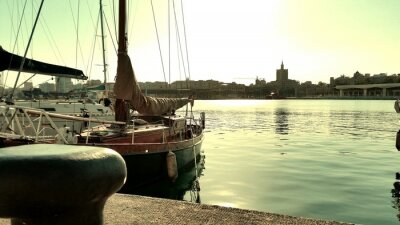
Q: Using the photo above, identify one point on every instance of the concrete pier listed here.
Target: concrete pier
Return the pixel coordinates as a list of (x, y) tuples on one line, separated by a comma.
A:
[(133, 209)]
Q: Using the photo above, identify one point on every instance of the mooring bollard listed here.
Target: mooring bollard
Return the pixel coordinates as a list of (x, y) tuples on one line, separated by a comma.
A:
[(58, 184)]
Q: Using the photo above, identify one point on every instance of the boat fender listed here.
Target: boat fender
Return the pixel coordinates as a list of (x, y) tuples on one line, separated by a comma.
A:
[(203, 119), (398, 140), (172, 166)]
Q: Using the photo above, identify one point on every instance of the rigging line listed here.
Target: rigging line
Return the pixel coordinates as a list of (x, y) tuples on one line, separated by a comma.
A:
[(76, 23), (91, 58), (77, 37), (112, 39), (26, 28), (135, 6), (179, 43), (179, 65), (11, 14), (115, 21), (26, 50), (127, 19), (16, 40), (72, 12), (158, 40), (95, 25), (33, 18), (90, 13), (179, 55), (26, 80), (169, 43), (184, 35), (102, 43), (52, 41)]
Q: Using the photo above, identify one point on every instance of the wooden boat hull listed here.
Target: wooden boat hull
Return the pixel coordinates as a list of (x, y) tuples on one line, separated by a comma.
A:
[(144, 147), (147, 162)]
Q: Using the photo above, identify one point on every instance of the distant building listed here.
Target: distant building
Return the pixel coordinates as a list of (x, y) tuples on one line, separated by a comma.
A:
[(260, 81), (28, 86), (332, 81), (282, 74), (47, 87), (63, 84)]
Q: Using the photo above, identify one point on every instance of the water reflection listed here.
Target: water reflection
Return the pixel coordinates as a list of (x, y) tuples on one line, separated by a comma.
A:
[(186, 187), (396, 195), (281, 121)]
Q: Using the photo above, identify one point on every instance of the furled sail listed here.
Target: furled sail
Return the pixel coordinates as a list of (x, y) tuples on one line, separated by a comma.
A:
[(127, 88), (9, 61)]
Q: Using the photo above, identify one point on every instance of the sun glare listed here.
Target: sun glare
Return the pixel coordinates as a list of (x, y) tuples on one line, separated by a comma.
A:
[(227, 204), (238, 103)]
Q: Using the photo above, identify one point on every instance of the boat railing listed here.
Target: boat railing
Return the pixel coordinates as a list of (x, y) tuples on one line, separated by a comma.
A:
[(19, 122), (191, 120)]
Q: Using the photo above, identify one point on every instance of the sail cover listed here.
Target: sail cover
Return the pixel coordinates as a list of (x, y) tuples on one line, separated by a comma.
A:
[(127, 88), (9, 61)]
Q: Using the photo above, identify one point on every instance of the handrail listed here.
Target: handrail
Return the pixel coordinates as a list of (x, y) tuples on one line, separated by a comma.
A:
[(12, 122)]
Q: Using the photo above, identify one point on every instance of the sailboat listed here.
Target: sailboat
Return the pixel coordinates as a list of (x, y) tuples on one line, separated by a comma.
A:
[(154, 141)]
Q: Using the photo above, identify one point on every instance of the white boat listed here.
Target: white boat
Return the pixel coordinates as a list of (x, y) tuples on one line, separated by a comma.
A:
[(96, 108)]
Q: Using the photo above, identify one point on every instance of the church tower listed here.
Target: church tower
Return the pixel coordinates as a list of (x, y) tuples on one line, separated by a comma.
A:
[(282, 74)]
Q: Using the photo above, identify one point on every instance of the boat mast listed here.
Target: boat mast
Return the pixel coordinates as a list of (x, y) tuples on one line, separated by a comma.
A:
[(121, 109), (122, 39), (102, 43)]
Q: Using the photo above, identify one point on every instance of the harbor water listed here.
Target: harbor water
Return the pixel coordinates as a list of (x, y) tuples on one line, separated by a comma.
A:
[(324, 159)]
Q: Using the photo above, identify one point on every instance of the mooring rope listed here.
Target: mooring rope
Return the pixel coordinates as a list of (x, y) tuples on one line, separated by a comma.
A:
[(196, 184)]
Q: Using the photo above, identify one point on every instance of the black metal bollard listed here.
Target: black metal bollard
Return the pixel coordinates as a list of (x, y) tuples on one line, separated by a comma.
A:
[(58, 184)]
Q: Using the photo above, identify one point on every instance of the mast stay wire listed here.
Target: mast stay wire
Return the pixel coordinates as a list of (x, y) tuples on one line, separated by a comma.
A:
[(26, 80), (158, 40), (26, 51), (89, 65), (16, 40), (91, 58), (135, 7), (115, 22), (50, 38), (179, 44), (47, 33), (77, 36), (112, 39), (185, 36), (76, 23), (169, 42)]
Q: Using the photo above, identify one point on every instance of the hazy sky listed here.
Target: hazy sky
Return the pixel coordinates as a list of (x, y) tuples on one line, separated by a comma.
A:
[(228, 40)]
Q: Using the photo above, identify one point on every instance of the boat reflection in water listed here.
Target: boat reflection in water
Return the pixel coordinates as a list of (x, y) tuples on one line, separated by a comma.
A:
[(186, 187), (396, 195)]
